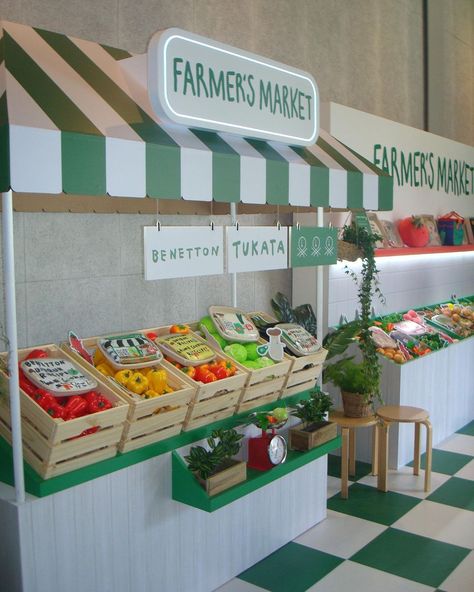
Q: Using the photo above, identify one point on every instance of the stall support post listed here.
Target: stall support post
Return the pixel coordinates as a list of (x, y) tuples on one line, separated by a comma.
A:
[(320, 294), (11, 328), (233, 280)]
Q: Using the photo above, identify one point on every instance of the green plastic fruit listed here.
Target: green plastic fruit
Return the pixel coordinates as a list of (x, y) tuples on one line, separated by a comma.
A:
[(237, 352), (250, 364), (252, 353), (280, 413), (209, 324), (220, 340), (264, 362)]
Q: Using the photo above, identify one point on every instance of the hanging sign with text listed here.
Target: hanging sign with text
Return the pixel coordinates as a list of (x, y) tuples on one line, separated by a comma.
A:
[(183, 251), (199, 82), (256, 248), (312, 246)]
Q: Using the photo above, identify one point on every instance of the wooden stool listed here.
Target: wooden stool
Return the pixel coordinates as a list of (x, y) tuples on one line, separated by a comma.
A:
[(348, 427), (403, 414)]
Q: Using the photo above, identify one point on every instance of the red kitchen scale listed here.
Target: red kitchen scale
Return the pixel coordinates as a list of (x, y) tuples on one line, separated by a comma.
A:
[(266, 451)]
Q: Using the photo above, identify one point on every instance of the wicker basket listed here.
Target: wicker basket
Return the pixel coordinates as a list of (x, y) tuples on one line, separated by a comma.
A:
[(348, 251), (355, 405)]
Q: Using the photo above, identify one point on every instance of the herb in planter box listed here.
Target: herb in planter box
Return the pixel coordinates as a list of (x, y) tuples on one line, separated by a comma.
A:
[(314, 430), (215, 468)]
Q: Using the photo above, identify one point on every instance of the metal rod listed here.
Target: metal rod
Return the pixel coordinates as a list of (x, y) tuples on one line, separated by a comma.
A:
[(11, 327), (233, 277)]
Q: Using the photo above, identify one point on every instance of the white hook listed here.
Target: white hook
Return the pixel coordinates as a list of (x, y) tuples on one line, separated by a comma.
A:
[(158, 225), (212, 224)]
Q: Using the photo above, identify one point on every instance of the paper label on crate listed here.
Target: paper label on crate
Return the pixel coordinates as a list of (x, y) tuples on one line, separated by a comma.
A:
[(183, 251), (58, 376)]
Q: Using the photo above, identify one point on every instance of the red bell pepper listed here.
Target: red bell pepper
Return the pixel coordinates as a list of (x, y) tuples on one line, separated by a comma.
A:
[(47, 402), (75, 407), (37, 353), (28, 387), (97, 402)]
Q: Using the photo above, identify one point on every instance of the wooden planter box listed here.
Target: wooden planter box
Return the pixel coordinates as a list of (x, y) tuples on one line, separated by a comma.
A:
[(215, 400), (235, 473), (51, 446), (149, 420), (302, 439)]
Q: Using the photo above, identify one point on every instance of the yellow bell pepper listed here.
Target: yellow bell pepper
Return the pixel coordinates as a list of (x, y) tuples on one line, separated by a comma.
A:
[(151, 394), (167, 390), (123, 376), (98, 357), (158, 380), (137, 383), (105, 369)]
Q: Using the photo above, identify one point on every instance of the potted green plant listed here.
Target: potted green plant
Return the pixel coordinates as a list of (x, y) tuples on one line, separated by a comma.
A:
[(359, 381), (214, 467), (313, 430)]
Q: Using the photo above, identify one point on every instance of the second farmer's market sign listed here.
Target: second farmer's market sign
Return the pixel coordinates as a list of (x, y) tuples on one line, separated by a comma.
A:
[(198, 82), (312, 246), (183, 251), (256, 248)]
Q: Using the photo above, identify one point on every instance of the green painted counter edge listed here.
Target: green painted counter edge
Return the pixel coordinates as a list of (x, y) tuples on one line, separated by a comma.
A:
[(186, 489), (39, 487)]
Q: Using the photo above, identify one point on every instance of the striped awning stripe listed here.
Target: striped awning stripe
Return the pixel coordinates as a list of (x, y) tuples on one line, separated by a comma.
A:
[(73, 120)]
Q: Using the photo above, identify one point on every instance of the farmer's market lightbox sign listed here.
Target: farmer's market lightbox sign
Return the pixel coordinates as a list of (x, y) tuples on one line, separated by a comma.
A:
[(198, 82), (185, 251)]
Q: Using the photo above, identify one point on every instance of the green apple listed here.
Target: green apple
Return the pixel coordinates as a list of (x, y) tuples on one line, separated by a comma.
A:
[(280, 413), (209, 324), (236, 351), (252, 353), (250, 364), (264, 362)]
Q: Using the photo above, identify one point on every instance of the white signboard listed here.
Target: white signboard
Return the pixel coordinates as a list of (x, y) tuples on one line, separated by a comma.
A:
[(256, 248), (183, 251), (198, 82), (431, 174)]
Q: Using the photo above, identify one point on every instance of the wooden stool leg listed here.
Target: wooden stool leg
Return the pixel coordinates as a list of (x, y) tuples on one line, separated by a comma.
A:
[(375, 450), (352, 451), (383, 456), (428, 455), (345, 463), (416, 460)]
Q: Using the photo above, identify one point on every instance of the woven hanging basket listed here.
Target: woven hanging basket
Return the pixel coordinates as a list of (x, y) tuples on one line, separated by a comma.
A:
[(355, 405), (348, 251)]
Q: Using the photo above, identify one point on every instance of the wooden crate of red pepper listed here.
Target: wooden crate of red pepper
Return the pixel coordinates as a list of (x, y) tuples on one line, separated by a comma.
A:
[(219, 384), (158, 397), (63, 434)]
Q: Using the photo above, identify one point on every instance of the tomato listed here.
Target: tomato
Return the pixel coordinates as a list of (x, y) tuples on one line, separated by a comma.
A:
[(213, 366), (221, 373), (184, 329), (229, 366), (201, 371), (37, 353), (413, 232), (151, 336)]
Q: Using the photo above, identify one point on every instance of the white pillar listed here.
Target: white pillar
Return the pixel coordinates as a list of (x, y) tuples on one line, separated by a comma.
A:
[(233, 278), (11, 327)]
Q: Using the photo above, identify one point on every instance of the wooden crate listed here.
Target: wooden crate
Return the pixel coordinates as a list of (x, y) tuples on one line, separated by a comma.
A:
[(147, 421), (51, 446), (304, 371), (215, 400), (265, 384)]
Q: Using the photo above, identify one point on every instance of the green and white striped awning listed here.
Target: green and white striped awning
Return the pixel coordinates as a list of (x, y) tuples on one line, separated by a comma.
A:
[(73, 119)]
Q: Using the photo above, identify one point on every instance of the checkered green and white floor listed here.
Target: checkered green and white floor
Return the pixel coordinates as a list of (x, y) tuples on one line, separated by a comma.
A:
[(404, 540)]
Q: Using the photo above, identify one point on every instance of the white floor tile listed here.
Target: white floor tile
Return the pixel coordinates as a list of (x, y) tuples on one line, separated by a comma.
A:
[(441, 522), (334, 486), (462, 578), (356, 577), (237, 585), (467, 472), (459, 443), (404, 481), (340, 534)]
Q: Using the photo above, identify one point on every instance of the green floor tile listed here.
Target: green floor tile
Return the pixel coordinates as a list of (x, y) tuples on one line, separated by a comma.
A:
[(371, 504), (411, 556), (445, 462), (334, 468), (293, 567), (467, 430), (455, 492)]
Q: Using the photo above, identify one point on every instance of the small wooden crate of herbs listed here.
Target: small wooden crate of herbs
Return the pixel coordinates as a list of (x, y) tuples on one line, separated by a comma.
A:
[(313, 430)]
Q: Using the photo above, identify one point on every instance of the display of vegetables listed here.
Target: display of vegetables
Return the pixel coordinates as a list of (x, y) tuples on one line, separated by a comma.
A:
[(64, 407), (207, 373)]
